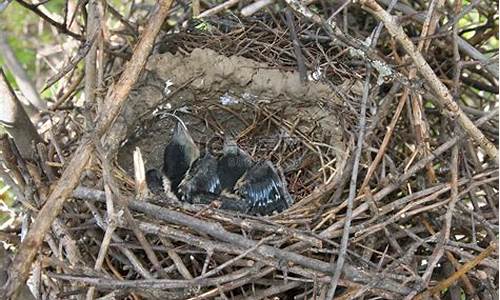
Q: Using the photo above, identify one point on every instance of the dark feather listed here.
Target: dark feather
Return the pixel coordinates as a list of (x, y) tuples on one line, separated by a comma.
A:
[(201, 178), (178, 156), (263, 190), (154, 181), (232, 165)]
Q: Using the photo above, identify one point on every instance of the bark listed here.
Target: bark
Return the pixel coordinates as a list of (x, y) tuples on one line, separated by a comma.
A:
[(16, 121), (22, 79), (19, 271)]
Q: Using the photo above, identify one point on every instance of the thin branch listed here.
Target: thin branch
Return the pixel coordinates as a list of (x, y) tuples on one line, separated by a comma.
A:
[(352, 189), (60, 27), (444, 99), (71, 176)]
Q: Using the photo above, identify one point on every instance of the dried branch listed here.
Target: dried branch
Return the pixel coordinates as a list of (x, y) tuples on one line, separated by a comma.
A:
[(16, 121), (352, 189), (70, 177), (444, 99), (60, 27)]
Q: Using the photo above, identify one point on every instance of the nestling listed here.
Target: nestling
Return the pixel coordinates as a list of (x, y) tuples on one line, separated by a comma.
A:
[(263, 190), (232, 165), (178, 156), (201, 178)]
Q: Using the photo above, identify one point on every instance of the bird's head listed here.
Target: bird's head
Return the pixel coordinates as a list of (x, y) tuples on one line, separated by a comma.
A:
[(182, 137), (230, 146)]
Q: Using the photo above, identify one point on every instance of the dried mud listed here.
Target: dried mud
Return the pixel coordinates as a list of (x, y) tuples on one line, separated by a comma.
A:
[(230, 91)]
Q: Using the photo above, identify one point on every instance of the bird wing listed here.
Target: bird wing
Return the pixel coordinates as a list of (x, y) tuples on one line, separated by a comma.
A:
[(263, 190), (201, 178)]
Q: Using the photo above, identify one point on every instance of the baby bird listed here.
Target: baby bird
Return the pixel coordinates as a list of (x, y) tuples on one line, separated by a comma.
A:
[(234, 180), (263, 190), (159, 184), (232, 165), (178, 156), (201, 179), (154, 180)]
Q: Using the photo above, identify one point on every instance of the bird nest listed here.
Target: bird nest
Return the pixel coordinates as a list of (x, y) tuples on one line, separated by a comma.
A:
[(299, 126), (272, 115), (242, 77)]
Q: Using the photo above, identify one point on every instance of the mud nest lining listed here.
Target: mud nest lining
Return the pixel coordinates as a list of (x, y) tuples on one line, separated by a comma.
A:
[(270, 113)]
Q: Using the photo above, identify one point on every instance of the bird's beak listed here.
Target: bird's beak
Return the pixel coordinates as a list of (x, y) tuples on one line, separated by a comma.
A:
[(181, 135), (179, 129), (230, 145)]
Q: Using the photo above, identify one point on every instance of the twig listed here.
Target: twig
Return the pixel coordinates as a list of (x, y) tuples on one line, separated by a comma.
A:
[(132, 223), (195, 6), (108, 234), (352, 189), (444, 99), (60, 27), (296, 46), (149, 283), (445, 231), (231, 261), (139, 175), (93, 33), (255, 7), (386, 190), (337, 35), (421, 127), (217, 231), (71, 176), (468, 285), (385, 142), (491, 66), (453, 278), (69, 92), (179, 264), (133, 259), (275, 289), (80, 54), (218, 8)]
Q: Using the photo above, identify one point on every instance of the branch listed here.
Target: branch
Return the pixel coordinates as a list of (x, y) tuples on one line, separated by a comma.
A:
[(60, 27), (218, 232), (70, 178), (22, 79), (93, 28), (386, 190), (491, 66), (16, 121), (352, 189), (444, 98)]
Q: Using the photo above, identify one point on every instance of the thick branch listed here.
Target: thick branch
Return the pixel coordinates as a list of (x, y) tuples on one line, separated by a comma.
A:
[(444, 98), (70, 178), (16, 121), (23, 81)]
